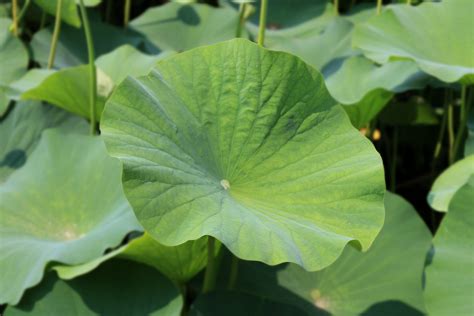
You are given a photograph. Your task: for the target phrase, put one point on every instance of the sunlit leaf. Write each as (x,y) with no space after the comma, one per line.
(449,182)
(119,288)
(434,35)
(65,205)
(179,27)
(450,275)
(21,130)
(246,145)
(387,278)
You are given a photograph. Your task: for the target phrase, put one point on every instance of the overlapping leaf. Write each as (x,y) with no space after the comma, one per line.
(66,205)
(246,145)
(388,278)
(450,276)
(119,288)
(449,182)
(178,27)
(435,35)
(21,130)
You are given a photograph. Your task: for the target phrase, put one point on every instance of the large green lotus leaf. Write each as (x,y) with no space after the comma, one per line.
(179,27)
(119,288)
(13,60)
(450,276)
(246,145)
(449,182)
(127,61)
(238,304)
(72,48)
(387,277)
(317,42)
(69,89)
(415,111)
(428,34)
(20,132)
(362,112)
(65,205)
(179,263)
(69,12)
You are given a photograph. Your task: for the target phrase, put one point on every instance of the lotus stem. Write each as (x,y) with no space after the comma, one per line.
(126,15)
(262,22)
(462,124)
(393,165)
(240,23)
(442,130)
(379,6)
(336,7)
(57,30)
(92,69)
(43,20)
(20,16)
(211,268)
(234,270)
(450,133)
(409,2)
(14,16)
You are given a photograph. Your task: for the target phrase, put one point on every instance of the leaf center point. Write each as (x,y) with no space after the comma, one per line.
(225,184)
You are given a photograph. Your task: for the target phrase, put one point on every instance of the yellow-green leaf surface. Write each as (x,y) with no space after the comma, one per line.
(118,288)
(386,280)
(179,263)
(65,205)
(246,145)
(450,275)
(449,182)
(430,34)
(179,27)
(69,89)
(21,130)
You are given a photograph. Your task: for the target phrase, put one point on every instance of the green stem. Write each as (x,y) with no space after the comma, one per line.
(57,30)
(43,20)
(450,133)
(126,15)
(14,16)
(92,69)
(211,268)
(23,10)
(240,22)
(379,6)
(393,165)
(442,131)
(234,270)
(336,7)
(409,2)
(262,22)
(462,123)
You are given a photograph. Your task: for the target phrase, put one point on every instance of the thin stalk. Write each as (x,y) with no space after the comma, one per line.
(409,2)
(14,16)
(126,12)
(379,6)
(336,7)
(234,270)
(92,70)
(211,268)
(262,22)
(393,165)
(57,30)
(43,20)
(23,10)
(462,123)
(450,133)
(240,22)
(442,131)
